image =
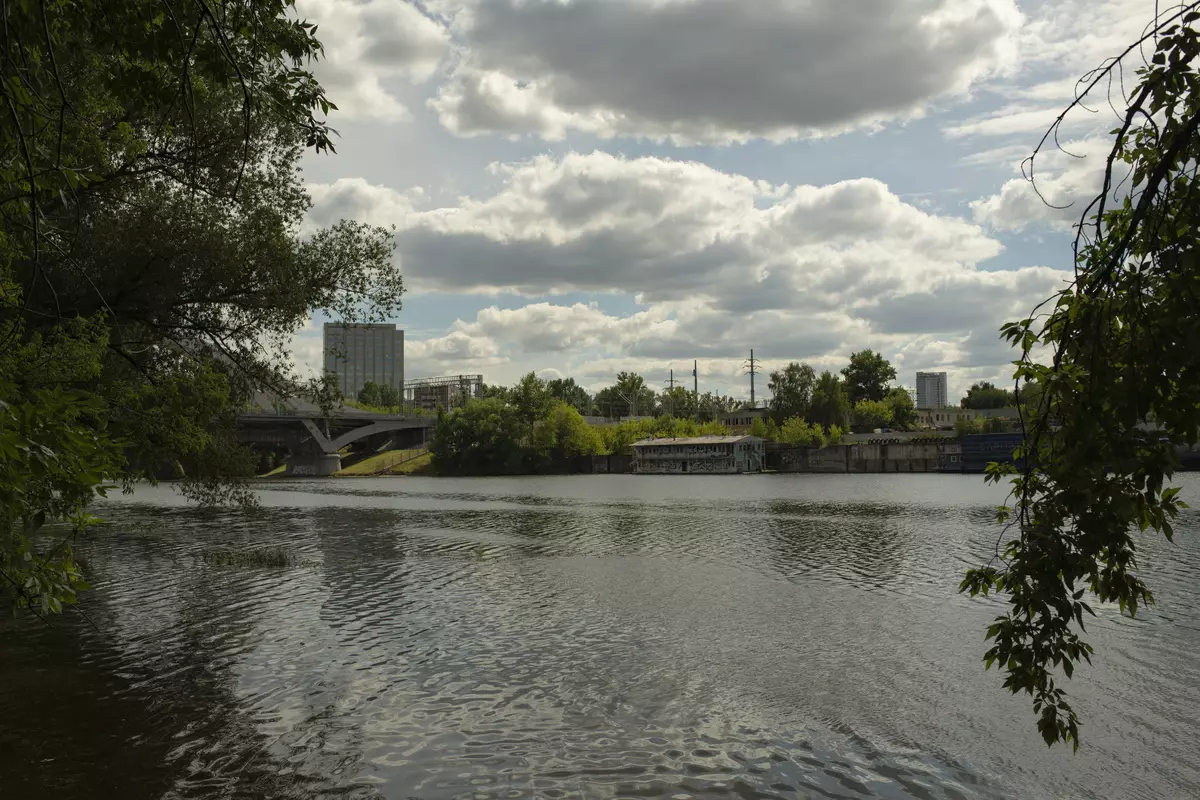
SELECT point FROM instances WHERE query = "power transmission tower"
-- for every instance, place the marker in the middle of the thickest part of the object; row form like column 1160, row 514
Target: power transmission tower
column 751, row 367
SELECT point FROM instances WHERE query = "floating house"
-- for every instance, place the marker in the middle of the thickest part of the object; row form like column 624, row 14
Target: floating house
column 706, row 455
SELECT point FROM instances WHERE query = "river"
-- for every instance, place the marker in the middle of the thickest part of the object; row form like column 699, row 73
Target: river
column 764, row 636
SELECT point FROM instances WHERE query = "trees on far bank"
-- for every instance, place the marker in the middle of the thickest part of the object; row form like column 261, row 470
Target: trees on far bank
column 791, row 392
column 871, row 414
column 986, row 395
column 867, row 376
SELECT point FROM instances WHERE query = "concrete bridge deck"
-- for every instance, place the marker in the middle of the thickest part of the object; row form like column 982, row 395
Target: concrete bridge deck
column 314, row 440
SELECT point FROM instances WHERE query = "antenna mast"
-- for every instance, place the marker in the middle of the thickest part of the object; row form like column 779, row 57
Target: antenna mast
column 751, row 367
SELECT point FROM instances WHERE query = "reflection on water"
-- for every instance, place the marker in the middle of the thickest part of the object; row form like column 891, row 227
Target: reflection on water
column 591, row 636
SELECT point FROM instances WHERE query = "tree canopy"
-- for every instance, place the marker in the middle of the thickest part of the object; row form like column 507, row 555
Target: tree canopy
column 871, row 414
column 569, row 392
column 867, row 376
column 152, row 269
column 629, row 396
column 1118, row 347
column 791, row 391
column 904, row 411
column 987, row 395
column 830, row 404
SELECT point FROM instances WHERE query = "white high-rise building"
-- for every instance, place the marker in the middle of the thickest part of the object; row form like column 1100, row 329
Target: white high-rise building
column 931, row 390
column 358, row 353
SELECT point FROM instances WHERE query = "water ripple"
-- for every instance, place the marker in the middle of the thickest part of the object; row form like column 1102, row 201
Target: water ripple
column 607, row 636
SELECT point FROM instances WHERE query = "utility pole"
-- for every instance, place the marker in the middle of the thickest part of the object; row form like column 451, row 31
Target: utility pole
column 671, row 392
column 751, row 370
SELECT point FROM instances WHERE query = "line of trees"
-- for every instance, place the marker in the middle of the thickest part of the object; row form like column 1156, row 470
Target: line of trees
column 859, row 396
column 534, row 425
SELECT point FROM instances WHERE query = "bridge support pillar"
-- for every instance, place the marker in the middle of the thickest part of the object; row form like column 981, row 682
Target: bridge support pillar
column 313, row 465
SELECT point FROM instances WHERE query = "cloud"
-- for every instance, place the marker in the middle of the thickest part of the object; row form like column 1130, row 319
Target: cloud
column 368, row 44
column 1067, row 182
column 355, row 198
column 720, row 263
column 715, row 71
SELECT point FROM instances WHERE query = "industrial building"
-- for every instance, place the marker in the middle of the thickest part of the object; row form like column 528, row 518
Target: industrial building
column 447, row 393
column 705, row 455
column 932, row 391
column 357, row 353
column 742, row 418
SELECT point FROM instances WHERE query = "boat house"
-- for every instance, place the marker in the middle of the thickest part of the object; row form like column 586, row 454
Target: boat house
column 707, row 455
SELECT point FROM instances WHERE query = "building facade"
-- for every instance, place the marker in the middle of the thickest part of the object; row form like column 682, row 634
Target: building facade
column 742, row 418
column 944, row 419
column 698, row 455
column 358, row 353
column 932, row 391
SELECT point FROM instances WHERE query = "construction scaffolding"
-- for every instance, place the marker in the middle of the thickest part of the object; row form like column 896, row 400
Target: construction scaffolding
column 447, row 392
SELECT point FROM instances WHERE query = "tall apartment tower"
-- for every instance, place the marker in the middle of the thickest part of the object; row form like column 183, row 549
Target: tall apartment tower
column 931, row 390
column 358, row 353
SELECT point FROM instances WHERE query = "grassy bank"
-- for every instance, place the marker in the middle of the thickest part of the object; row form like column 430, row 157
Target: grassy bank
column 393, row 462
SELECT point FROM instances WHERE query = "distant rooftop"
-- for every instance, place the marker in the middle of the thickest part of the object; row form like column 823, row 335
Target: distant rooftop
column 696, row 440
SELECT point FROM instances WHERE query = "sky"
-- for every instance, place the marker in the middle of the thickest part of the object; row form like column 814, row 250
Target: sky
column 581, row 187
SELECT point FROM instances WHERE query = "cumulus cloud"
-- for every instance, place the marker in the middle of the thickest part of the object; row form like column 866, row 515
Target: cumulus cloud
column 715, row 71
column 673, row 231
column 721, row 263
column 367, row 44
column 1059, row 59
column 355, row 198
column 1067, row 180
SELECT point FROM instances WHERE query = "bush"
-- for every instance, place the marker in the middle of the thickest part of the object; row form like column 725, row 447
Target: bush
column 564, row 429
column 797, row 431
column 871, row 414
column 484, row 437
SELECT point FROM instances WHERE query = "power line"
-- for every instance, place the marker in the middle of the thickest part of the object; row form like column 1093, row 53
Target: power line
column 751, row 367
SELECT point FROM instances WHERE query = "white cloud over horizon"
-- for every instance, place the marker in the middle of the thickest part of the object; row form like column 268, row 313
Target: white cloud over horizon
column 637, row 184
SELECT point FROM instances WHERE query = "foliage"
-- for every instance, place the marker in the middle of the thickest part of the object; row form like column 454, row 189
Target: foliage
column 483, row 437
column 151, row 264
column 867, row 376
column 904, row 412
column 759, row 428
column 830, row 404
column 966, row 426
column 55, row 456
column 710, row 406
column 986, row 395
column 791, row 391
column 564, row 430
column 569, row 392
column 496, row 392
column 871, row 414
column 628, row 397
column 835, row 434
column 619, row 439
column 1119, row 346
column 369, row 394
column 678, row 402
column 389, row 396
column 796, row 431
column 530, row 398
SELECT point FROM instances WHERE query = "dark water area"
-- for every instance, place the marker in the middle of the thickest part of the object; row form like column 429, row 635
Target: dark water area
column 579, row 637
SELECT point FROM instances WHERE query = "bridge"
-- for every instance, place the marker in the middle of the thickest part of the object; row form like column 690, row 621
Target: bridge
column 313, row 440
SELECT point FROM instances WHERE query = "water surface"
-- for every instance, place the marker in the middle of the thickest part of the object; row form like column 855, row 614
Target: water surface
column 578, row 637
